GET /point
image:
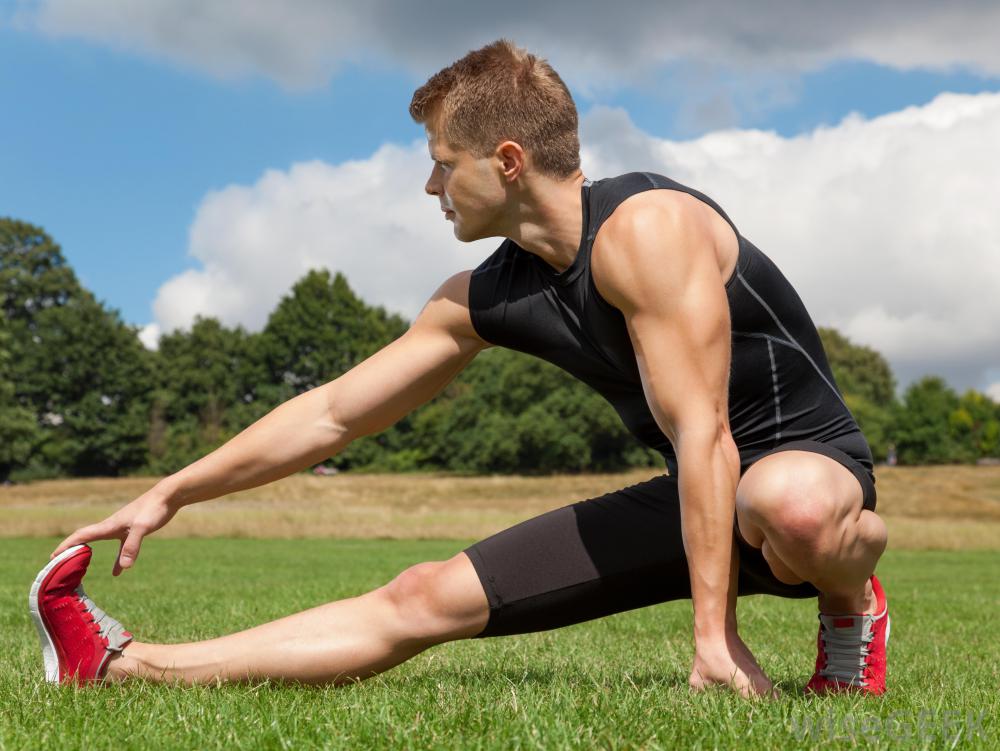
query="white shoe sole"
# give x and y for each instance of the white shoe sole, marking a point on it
(49, 654)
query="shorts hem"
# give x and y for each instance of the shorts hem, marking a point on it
(865, 477)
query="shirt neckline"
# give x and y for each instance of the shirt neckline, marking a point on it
(572, 271)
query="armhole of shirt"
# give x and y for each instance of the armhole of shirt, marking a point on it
(479, 308)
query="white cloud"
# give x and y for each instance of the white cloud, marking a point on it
(303, 42)
(369, 219)
(993, 392)
(149, 335)
(887, 227)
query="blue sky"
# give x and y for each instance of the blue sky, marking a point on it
(112, 153)
(112, 147)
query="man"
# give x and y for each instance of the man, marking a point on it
(643, 289)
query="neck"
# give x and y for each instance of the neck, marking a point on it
(549, 221)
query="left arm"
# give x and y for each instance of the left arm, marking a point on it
(661, 272)
(658, 265)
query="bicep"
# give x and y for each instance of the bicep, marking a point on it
(683, 356)
(666, 281)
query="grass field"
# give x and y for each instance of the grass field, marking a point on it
(619, 682)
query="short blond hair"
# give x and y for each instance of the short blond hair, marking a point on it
(499, 93)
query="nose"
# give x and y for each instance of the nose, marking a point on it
(433, 184)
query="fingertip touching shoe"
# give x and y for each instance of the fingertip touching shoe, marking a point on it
(78, 638)
(852, 650)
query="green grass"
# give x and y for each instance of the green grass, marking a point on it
(619, 682)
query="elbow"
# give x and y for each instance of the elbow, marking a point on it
(708, 438)
(702, 429)
(338, 431)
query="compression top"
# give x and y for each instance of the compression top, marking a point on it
(781, 387)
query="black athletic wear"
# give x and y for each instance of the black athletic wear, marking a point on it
(624, 549)
(781, 387)
(605, 555)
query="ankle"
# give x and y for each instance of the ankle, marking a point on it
(123, 665)
(858, 601)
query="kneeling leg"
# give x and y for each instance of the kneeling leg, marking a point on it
(804, 510)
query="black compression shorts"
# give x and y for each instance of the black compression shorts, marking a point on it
(616, 552)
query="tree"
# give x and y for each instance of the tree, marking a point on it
(510, 412)
(34, 274)
(859, 370)
(318, 332)
(975, 425)
(75, 365)
(87, 376)
(210, 384)
(321, 330)
(922, 425)
(18, 428)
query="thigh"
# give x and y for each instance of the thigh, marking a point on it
(616, 552)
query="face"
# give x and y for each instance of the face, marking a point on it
(468, 188)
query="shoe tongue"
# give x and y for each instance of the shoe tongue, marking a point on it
(843, 623)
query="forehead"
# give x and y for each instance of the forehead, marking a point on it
(438, 145)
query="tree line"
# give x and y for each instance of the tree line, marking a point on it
(80, 395)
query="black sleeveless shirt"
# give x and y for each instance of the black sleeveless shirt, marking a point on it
(781, 387)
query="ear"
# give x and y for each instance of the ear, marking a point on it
(512, 159)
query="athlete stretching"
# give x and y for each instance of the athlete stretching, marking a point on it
(640, 287)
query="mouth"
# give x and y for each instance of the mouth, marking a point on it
(448, 211)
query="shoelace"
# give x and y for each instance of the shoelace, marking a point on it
(88, 615)
(846, 649)
(112, 632)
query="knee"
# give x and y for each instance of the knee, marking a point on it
(793, 505)
(414, 593)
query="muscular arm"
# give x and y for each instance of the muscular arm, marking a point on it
(312, 426)
(658, 266)
(323, 421)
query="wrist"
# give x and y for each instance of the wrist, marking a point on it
(168, 490)
(705, 636)
(714, 631)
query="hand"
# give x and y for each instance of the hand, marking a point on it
(129, 524)
(729, 662)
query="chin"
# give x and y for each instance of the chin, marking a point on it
(467, 235)
(464, 235)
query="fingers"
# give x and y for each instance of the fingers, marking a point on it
(757, 686)
(759, 689)
(100, 531)
(129, 551)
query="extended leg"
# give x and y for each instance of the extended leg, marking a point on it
(339, 642)
(804, 510)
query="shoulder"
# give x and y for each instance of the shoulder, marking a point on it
(651, 244)
(669, 210)
(448, 309)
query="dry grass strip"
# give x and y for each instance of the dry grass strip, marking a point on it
(946, 508)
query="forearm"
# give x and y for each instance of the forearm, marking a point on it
(708, 476)
(296, 434)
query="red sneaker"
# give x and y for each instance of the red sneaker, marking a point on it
(77, 637)
(852, 650)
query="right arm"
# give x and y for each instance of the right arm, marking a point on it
(314, 425)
